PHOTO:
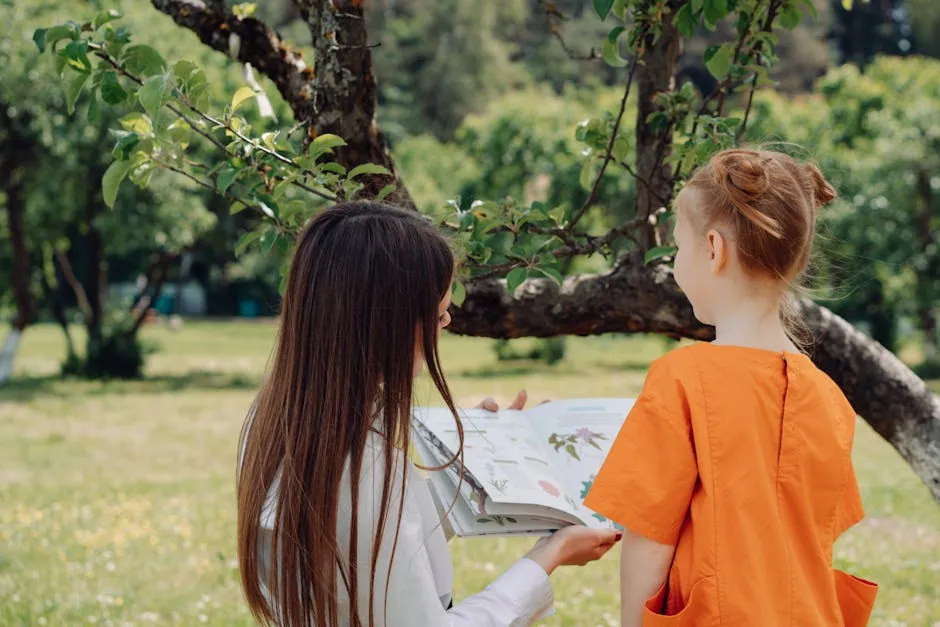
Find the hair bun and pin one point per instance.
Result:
(823, 192)
(742, 174)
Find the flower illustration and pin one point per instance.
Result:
(549, 488)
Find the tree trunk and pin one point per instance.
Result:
(55, 296)
(344, 90)
(639, 298)
(25, 302)
(96, 281)
(655, 73)
(891, 398)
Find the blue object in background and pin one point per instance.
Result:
(164, 304)
(249, 308)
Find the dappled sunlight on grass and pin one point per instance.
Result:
(117, 498)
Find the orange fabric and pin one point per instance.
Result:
(741, 458)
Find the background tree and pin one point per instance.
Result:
(676, 128)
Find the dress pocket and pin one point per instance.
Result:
(698, 610)
(856, 598)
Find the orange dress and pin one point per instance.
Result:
(741, 459)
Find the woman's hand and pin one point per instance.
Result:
(490, 404)
(573, 546)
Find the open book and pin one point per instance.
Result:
(525, 472)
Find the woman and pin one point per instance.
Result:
(335, 525)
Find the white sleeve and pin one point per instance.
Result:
(520, 596)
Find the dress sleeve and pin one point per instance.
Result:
(647, 479)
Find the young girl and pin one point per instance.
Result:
(733, 472)
(335, 525)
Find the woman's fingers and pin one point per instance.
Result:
(489, 404)
(520, 401)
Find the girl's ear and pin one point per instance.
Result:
(717, 251)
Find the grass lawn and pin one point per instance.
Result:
(117, 505)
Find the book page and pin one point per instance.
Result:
(576, 436)
(468, 513)
(505, 459)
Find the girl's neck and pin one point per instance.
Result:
(753, 323)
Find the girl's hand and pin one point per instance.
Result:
(573, 546)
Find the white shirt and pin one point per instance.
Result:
(422, 575)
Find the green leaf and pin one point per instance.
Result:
(621, 148)
(76, 55)
(659, 252)
(602, 8)
(237, 207)
(104, 17)
(720, 61)
(268, 207)
(611, 54)
(458, 293)
(697, 5)
(847, 5)
(152, 94)
(244, 9)
(138, 123)
(93, 106)
(367, 168)
(514, 279)
(715, 10)
(39, 38)
(243, 94)
(112, 178)
(385, 191)
(60, 62)
(269, 139)
(126, 144)
(246, 239)
(333, 167)
(74, 91)
(586, 177)
(685, 21)
(615, 33)
(268, 240)
(551, 273)
(790, 17)
(144, 61)
(326, 143)
(179, 132)
(619, 8)
(47, 37)
(111, 90)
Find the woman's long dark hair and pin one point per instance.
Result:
(362, 292)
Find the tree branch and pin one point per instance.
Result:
(553, 14)
(248, 41)
(638, 298)
(768, 26)
(65, 266)
(608, 152)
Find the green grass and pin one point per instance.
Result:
(117, 507)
